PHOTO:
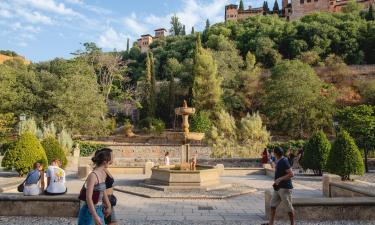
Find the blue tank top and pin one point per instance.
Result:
(33, 177)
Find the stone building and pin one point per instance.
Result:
(232, 12)
(147, 39)
(293, 9)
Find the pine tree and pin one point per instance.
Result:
(241, 6)
(192, 30)
(276, 9)
(183, 31)
(206, 87)
(127, 45)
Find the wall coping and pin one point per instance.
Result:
(46, 198)
(352, 188)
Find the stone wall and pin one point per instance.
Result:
(301, 8)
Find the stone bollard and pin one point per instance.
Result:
(83, 172)
(220, 168)
(148, 167)
(326, 180)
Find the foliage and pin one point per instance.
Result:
(252, 133)
(49, 130)
(293, 100)
(26, 151)
(200, 122)
(152, 125)
(65, 140)
(345, 158)
(54, 150)
(29, 125)
(177, 27)
(359, 122)
(316, 152)
(8, 53)
(206, 88)
(88, 148)
(7, 123)
(5, 147)
(149, 87)
(293, 145)
(367, 90)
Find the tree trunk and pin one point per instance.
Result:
(366, 157)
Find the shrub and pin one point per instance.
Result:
(5, 147)
(152, 125)
(87, 149)
(316, 152)
(26, 151)
(28, 125)
(201, 122)
(65, 140)
(54, 150)
(252, 133)
(345, 158)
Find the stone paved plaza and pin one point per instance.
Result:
(244, 209)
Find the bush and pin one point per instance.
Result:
(54, 150)
(345, 158)
(5, 147)
(152, 125)
(293, 145)
(316, 152)
(87, 149)
(65, 140)
(26, 151)
(201, 122)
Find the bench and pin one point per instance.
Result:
(356, 208)
(52, 206)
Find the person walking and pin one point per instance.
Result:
(282, 186)
(109, 180)
(34, 183)
(96, 205)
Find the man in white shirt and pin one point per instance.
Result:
(55, 179)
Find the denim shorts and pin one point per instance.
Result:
(85, 217)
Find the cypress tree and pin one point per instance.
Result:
(183, 32)
(370, 14)
(127, 45)
(150, 85)
(207, 25)
(207, 85)
(276, 9)
(241, 6)
(192, 30)
(266, 10)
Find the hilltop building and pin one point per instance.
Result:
(293, 9)
(147, 39)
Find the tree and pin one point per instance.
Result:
(149, 88)
(206, 88)
(192, 30)
(24, 153)
(345, 158)
(176, 28)
(127, 45)
(316, 152)
(241, 6)
(54, 150)
(173, 69)
(7, 123)
(293, 99)
(207, 27)
(370, 13)
(359, 121)
(252, 133)
(352, 7)
(276, 9)
(183, 31)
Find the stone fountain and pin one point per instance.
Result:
(184, 175)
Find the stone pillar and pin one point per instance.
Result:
(83, 172)
(220, 168)
(185, 153)
(148, 166)
(326, 180)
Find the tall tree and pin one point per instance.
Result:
(206, 87)
(173, 69)
(192, 30)
(127, 45)
(370, 14)
(149, 88)
(241, 6)
(276, 9)
(266, 10)
(176, 28)
(183, 31)
(207, 25)
(294, 101)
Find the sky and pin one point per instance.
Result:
(42, 30)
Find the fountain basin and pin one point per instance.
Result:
(172, 176)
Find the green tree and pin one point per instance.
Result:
(345, 158)
(316, 152)
(201, 122)
(149, 88)
(266, 9)
(173, 69)
(352, 7)
(127, 45)
(293, 99)
(367, 90)
(359, 121)
(176, 28)
(54, 150)
(192, 30)
(276, 8)
(183, 31)
(370, 13)
(24, 153)
(206, 88)
(241, 6)
(7, 123)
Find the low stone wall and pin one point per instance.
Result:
(242, 171)
(356, 208)
(51, 206)
(334, 187)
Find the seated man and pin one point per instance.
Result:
(55, 179)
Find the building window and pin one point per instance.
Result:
(308, 0)
(301, 1)
(315, 0)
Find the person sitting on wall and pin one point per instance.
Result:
(166, 159)
(193, 164)
(34, 183)
(55, 179)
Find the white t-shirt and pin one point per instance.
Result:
(166, 160)
(57, 182)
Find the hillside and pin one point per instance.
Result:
(4, 58)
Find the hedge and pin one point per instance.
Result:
(54, 150)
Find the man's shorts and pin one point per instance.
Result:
(282, 196)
